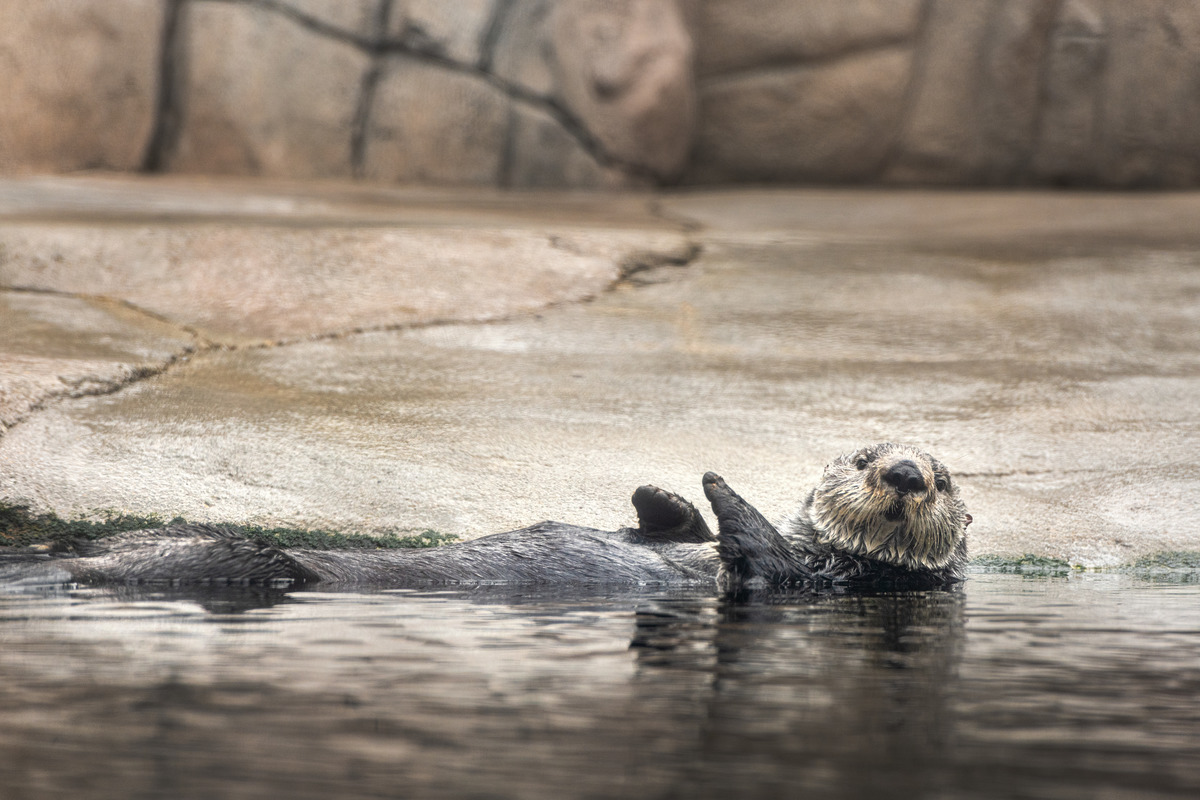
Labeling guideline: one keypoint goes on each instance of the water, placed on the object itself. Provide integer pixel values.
(1084, 686)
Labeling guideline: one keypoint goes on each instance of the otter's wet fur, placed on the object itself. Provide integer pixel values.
(888, 516)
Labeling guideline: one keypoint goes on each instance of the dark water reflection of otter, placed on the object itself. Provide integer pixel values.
(842, 695)
(1004, 688)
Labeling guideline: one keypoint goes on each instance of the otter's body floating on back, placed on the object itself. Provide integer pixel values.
(887, 516)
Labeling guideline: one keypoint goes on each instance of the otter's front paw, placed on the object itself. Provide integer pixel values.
(665, 516)
(715, 487)
(752, 552)
(739, 523)
(726, 503)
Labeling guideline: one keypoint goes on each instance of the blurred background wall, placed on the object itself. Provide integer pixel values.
(603, 93)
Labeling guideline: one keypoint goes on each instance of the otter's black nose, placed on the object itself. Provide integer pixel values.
(905, 476)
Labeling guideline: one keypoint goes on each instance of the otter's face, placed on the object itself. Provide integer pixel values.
(893, 503)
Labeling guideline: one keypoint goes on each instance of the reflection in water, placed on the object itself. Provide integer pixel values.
(1011, 687)
(819, 694)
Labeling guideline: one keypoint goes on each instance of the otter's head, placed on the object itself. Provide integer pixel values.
(893, 503)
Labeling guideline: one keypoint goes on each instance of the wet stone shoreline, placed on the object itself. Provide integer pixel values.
(373, 362)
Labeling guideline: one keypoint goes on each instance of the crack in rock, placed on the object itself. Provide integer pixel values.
(632, 265)
(30, 382)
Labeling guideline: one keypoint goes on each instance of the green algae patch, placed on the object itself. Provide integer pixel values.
(1168, 566)
(1170, 560)
(21, 527)
(1028, 563)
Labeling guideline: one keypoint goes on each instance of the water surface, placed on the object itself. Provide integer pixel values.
(1083, 686)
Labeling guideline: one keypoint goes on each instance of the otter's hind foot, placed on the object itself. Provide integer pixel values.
(666, 517)
(752, 552)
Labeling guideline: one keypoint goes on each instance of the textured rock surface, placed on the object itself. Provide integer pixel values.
(1003, 91)
(237, 283)
(768, 125)
(587, 93)
(358, 18)
(739, 35)
(1149, 132)
(265, 95)
(1045, 345)
(435, 93)
(1076, 61)
(543, 155)
(626, 70)
(942, 136)
(53, 346)
(523, 55)
(622, 72)
(458, 30)
(434, 126)
(78, 83)
(300, 274)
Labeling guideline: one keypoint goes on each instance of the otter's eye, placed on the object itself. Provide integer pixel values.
(941, 484)
(861, 462)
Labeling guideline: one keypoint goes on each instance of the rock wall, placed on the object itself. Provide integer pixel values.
(1075, 92)
(95, 109)
(479, 92)
(593, 93)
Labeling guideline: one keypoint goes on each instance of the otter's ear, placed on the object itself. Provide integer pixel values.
(970, 519)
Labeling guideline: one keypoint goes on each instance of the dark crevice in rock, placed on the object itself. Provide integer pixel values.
(1100, 99)
(167, 111)
(508, 151)
(566, 119)
(636, 264)
(491, 34)
(200, 341)
(420, 48)
(916, 76)
(314, 24)
(633, 264)
(638, 268)
(685, 223)
(362, 119)
(639, 261)
(93, 385)
(366, 97)
(1043, 94)
(1029, 473)
(1004, 152)
(974, 160)
(363, 330)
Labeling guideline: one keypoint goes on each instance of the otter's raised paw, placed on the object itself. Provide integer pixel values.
(666, 517)
(732, 511)
(752, 552)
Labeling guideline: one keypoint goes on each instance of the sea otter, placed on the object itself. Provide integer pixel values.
(887, 516)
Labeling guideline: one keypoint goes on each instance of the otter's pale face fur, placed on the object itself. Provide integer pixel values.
(859, 508)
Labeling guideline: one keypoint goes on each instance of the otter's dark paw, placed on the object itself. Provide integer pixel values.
(727, 504)
(740, 523)
(665, 516)
(752, 552)
(715, 488)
